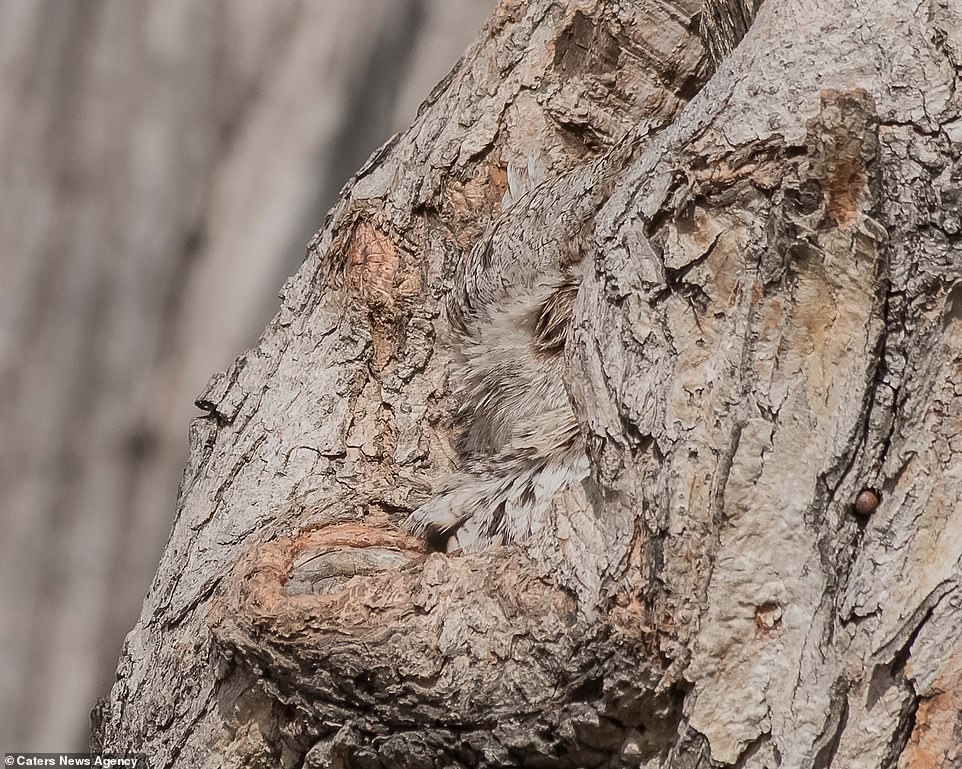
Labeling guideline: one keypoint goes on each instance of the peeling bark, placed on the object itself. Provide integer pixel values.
(768, 328)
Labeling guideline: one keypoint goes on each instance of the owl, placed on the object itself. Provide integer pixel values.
(518, 443)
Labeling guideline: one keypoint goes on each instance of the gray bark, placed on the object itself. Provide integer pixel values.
(767, 332)
(136, 138)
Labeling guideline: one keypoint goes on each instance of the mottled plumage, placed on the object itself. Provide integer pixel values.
(518, 441)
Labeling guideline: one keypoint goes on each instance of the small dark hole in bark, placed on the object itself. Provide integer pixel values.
(588, 690)
(807, 198)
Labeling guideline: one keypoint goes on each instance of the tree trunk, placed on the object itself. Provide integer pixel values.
(763, 567)
(136, 136)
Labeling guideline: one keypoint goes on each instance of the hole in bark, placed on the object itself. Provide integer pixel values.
(588, 690)
(579, 138)
(807, 199)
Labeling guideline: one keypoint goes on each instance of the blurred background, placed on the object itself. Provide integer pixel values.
(162, 165)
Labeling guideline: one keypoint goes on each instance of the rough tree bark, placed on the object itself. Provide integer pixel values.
(136, 136)
(769, 331)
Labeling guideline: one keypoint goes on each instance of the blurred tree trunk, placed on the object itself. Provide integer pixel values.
(765, 358)
(137, 139)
